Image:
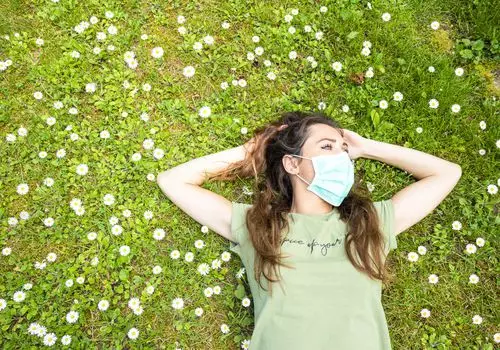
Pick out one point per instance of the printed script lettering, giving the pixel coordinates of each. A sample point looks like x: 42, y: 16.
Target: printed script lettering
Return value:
x: 324, y: 246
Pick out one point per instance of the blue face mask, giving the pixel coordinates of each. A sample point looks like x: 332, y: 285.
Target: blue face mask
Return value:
x: 333, y: 177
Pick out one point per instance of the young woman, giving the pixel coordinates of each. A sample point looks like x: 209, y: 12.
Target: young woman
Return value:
x: 310, y: 216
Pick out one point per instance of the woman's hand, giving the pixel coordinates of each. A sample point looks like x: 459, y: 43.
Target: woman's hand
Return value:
x: 249, y: 146
x: 355, y: 142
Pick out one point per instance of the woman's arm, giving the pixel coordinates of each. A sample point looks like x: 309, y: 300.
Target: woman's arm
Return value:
x: 197, y: 170
x: 437, y: 178
x: 182, y: 185
x: 414, y: 162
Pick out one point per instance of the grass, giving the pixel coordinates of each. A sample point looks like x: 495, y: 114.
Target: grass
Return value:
x: 402, y: 50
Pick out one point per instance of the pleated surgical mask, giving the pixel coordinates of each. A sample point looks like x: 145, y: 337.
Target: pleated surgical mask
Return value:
x: 333, y: 176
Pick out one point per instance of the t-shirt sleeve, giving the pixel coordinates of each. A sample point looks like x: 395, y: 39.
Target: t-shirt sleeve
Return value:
x: 238, y: 225
x: 385, y: 211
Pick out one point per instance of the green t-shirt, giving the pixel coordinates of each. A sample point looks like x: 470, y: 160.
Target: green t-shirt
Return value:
x: 326, y: 302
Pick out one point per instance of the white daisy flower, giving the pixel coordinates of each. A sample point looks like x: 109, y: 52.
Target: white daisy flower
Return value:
x: 158, y: 153
x: 178, y: 303
x: 6, y: 251
x: 422, y: 250
x: 116, y: 230
x: 134, y: 303
x: 133, y: 333
x: 49, y: 222
x: 208, y: 292
x: 188, y: 71
x: 103, y: 305
x: 412, y: 256
x: 51, y: 257
x: 208, y: 39
x: 476, y: 319
x: 3, y: 304
x: 124, y: 250
x: 455, y: 108
x: 72, y: 316
x: 224, y: 328
x: 473, y: 278
x: 109, y: 199
x: 175, y: 254
x: 82, y: 169
x: 157, y: 52
x: 433, y: 103
x: 112, y: 30
x: 197, y: 46
x: 433, y: 278
x: 225, y: 256
x: 66, y: 339
x: 470, y: 248
x: 456, y: 225
x: 205, y: 112
x: 492, y: 189
x: 203, y: 269
x: 101, y: 36
x: 337, y: 66
x: 425, y: 313
x: 49, y: 339
x: 22, y: 189
x: 159, y: 234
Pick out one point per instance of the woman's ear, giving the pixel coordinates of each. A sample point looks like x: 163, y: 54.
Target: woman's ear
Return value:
x: 288, y: 163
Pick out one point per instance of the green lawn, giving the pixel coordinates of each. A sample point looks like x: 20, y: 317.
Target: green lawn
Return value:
x: 91, y: 110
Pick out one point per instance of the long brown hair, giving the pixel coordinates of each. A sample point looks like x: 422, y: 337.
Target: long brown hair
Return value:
x: 273, y: 190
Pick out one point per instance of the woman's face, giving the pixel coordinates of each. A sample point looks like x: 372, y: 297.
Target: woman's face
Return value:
x: 323, y: 140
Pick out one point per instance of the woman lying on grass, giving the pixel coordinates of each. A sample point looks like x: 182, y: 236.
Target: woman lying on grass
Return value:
x: 310, y: 216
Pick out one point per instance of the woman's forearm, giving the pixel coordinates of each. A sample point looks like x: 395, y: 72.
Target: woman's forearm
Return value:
x: 197, y: 170
x: 417, y: 163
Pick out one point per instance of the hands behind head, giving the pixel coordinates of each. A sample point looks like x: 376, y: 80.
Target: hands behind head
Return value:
x: 356, y: 143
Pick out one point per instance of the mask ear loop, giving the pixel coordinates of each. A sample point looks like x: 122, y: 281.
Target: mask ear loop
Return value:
x: 300, y: 177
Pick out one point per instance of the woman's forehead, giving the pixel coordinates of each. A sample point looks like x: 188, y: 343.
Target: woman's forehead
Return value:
x: 319, y: 131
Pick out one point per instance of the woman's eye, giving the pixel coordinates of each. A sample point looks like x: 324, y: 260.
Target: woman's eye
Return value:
x: 328, y: 145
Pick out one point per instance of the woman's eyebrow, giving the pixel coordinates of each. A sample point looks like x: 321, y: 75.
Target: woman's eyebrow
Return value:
x: 326, y: 138
x: 333, y: 140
